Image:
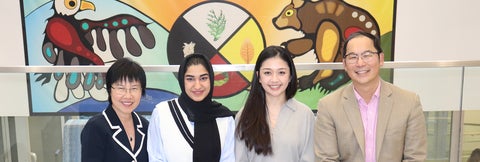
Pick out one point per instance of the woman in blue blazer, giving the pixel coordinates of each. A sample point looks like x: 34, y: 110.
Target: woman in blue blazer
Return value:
x: 118, y: 133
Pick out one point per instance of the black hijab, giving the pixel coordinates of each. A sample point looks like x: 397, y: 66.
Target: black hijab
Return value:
x: 206, y: 139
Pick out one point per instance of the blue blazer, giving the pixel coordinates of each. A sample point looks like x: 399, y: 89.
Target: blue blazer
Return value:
x: 103, y: 139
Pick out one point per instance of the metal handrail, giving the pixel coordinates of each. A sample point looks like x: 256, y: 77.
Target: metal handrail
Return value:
x: 236, y: 67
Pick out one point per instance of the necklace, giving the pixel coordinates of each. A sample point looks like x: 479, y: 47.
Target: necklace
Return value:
x: 130, y: 137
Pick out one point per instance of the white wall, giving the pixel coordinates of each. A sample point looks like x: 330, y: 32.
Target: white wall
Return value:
x: 437, y: 30
x: 426, y: 30
x: 432, y: 30
x: 13, y: 86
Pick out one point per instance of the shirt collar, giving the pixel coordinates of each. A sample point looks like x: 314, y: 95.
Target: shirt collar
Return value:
x: 290, y: 104
x: 375, y: 95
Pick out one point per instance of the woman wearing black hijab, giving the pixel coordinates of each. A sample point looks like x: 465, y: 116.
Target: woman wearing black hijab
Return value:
x: 192, y: 127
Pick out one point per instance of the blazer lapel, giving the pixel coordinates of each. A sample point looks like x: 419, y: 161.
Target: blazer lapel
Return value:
x: 138, y: 127
x: 385, y: 106
x: 114, y: 123
x: 350, y: 106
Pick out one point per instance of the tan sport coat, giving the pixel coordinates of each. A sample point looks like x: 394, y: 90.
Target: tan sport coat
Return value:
x: 401, y: 131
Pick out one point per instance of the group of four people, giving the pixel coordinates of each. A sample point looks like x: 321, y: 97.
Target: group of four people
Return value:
x: 368, y: 120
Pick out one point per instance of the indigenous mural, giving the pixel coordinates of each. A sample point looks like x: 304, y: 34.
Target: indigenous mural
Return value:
x: 98, y: 32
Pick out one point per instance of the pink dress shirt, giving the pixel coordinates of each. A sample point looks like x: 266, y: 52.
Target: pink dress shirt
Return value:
x: 369, y: 119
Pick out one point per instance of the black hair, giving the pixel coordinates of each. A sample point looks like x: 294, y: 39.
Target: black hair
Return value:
x: 253, y: 126
x: 125, y: 69
x: 375, y: 39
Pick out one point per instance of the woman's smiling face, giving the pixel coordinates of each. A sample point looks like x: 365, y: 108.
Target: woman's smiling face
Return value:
x: 274, y: 76
x: 197, y: 82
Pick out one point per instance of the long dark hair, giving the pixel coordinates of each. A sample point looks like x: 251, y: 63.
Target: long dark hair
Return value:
x: 253, y: 126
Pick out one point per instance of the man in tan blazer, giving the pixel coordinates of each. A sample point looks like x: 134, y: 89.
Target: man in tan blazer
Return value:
x: 369, y: 120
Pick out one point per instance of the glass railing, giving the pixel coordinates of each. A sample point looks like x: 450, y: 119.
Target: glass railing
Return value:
x: 31, y: 130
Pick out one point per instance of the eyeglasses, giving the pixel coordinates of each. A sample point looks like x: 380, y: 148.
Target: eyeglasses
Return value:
x: 352, y: 58
x: 122, y: 91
